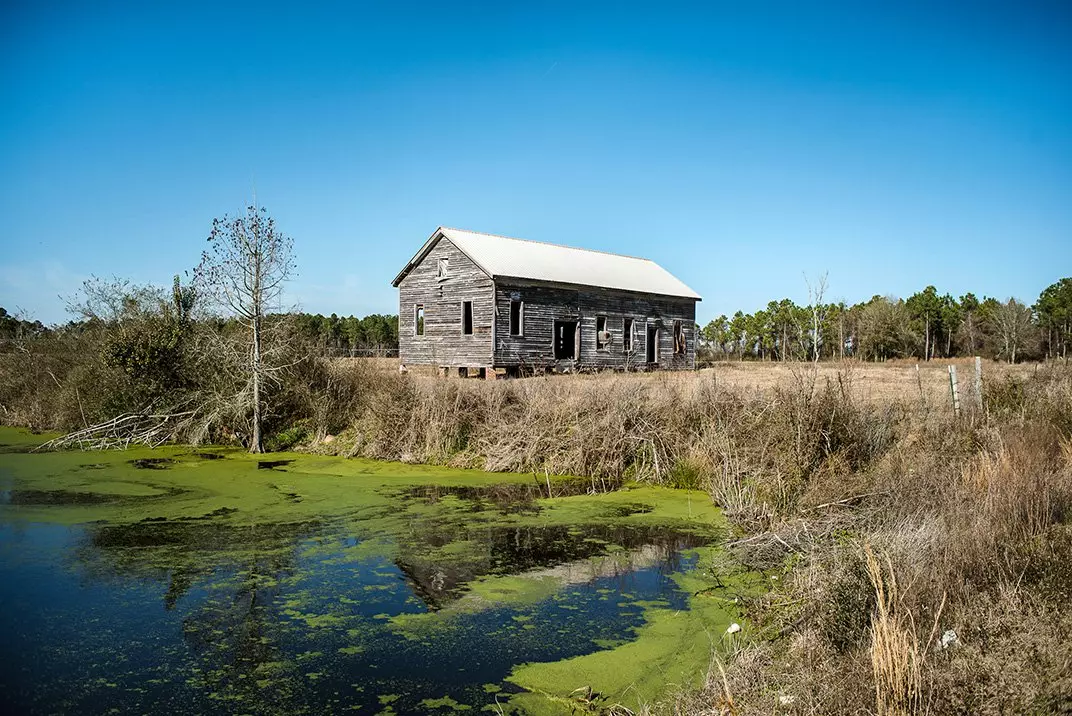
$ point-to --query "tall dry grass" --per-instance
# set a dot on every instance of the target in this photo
(898, 650)
(760, 452)
(952, 527)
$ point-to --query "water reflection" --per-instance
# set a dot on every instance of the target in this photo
(212, 614)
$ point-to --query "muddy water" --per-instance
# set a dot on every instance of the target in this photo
(209, 582)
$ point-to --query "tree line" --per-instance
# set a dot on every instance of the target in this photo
(926, 325)
(349, 333)
(372, 333)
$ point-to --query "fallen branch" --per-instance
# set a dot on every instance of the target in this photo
(151, 429)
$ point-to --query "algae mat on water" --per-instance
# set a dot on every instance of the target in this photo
(209, 580)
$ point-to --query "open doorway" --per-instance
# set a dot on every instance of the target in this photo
(653, 345)
(567, 344)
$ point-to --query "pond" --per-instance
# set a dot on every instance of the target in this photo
(211, 581)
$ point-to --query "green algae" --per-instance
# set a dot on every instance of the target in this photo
(190, 514)
(445, 702)
(21, 439)
(672, 648)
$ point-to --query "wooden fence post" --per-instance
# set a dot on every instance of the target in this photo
(979, 382)
(955, 391)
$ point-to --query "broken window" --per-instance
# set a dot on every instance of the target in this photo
(517, 318)
(602, 334)
(679, 338)
(442, 269)
(467, 318)
(418, 319)
(627, 335)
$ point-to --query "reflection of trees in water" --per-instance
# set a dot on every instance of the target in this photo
(232, 634)
(438, 578)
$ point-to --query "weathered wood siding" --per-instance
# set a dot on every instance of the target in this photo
(443, 342)
(546, 303)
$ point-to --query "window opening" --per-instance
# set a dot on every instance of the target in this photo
(467, 318)
(652, 345)
(679, 338)
(602, 334)
(517, 318)
(418, 320)
(627, 335)
(442, 269)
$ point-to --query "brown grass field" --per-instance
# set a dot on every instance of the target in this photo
(896, 380)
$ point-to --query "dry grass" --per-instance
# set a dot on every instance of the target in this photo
(897, 651)
(683, 429)
(963, 527)
(873, 382)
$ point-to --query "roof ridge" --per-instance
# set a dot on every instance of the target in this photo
(548, 243)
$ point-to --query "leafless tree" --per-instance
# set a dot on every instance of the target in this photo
(1012, 320)
(818, 311)
(244, 272)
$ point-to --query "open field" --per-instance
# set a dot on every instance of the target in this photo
(879, 382)
(895, 380)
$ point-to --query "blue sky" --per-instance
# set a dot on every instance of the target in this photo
(741, 145)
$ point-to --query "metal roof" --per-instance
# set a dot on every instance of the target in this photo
(502, 256)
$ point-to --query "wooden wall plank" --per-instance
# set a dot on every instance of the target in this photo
(545, 303)
(443, 342)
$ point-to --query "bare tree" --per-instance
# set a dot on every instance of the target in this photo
(818, 311)
(244, 272)
(1014, 327)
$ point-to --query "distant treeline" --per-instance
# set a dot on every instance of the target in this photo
(375, 332)
(926, 325)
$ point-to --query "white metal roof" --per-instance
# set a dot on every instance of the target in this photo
(520, 258)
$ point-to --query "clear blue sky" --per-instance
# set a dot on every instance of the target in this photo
(741, 145)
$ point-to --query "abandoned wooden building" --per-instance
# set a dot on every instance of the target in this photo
(478, 301)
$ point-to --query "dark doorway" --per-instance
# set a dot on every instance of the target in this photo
(566, 343)
(653, 344)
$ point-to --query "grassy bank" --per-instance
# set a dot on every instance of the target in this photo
(925, 557)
